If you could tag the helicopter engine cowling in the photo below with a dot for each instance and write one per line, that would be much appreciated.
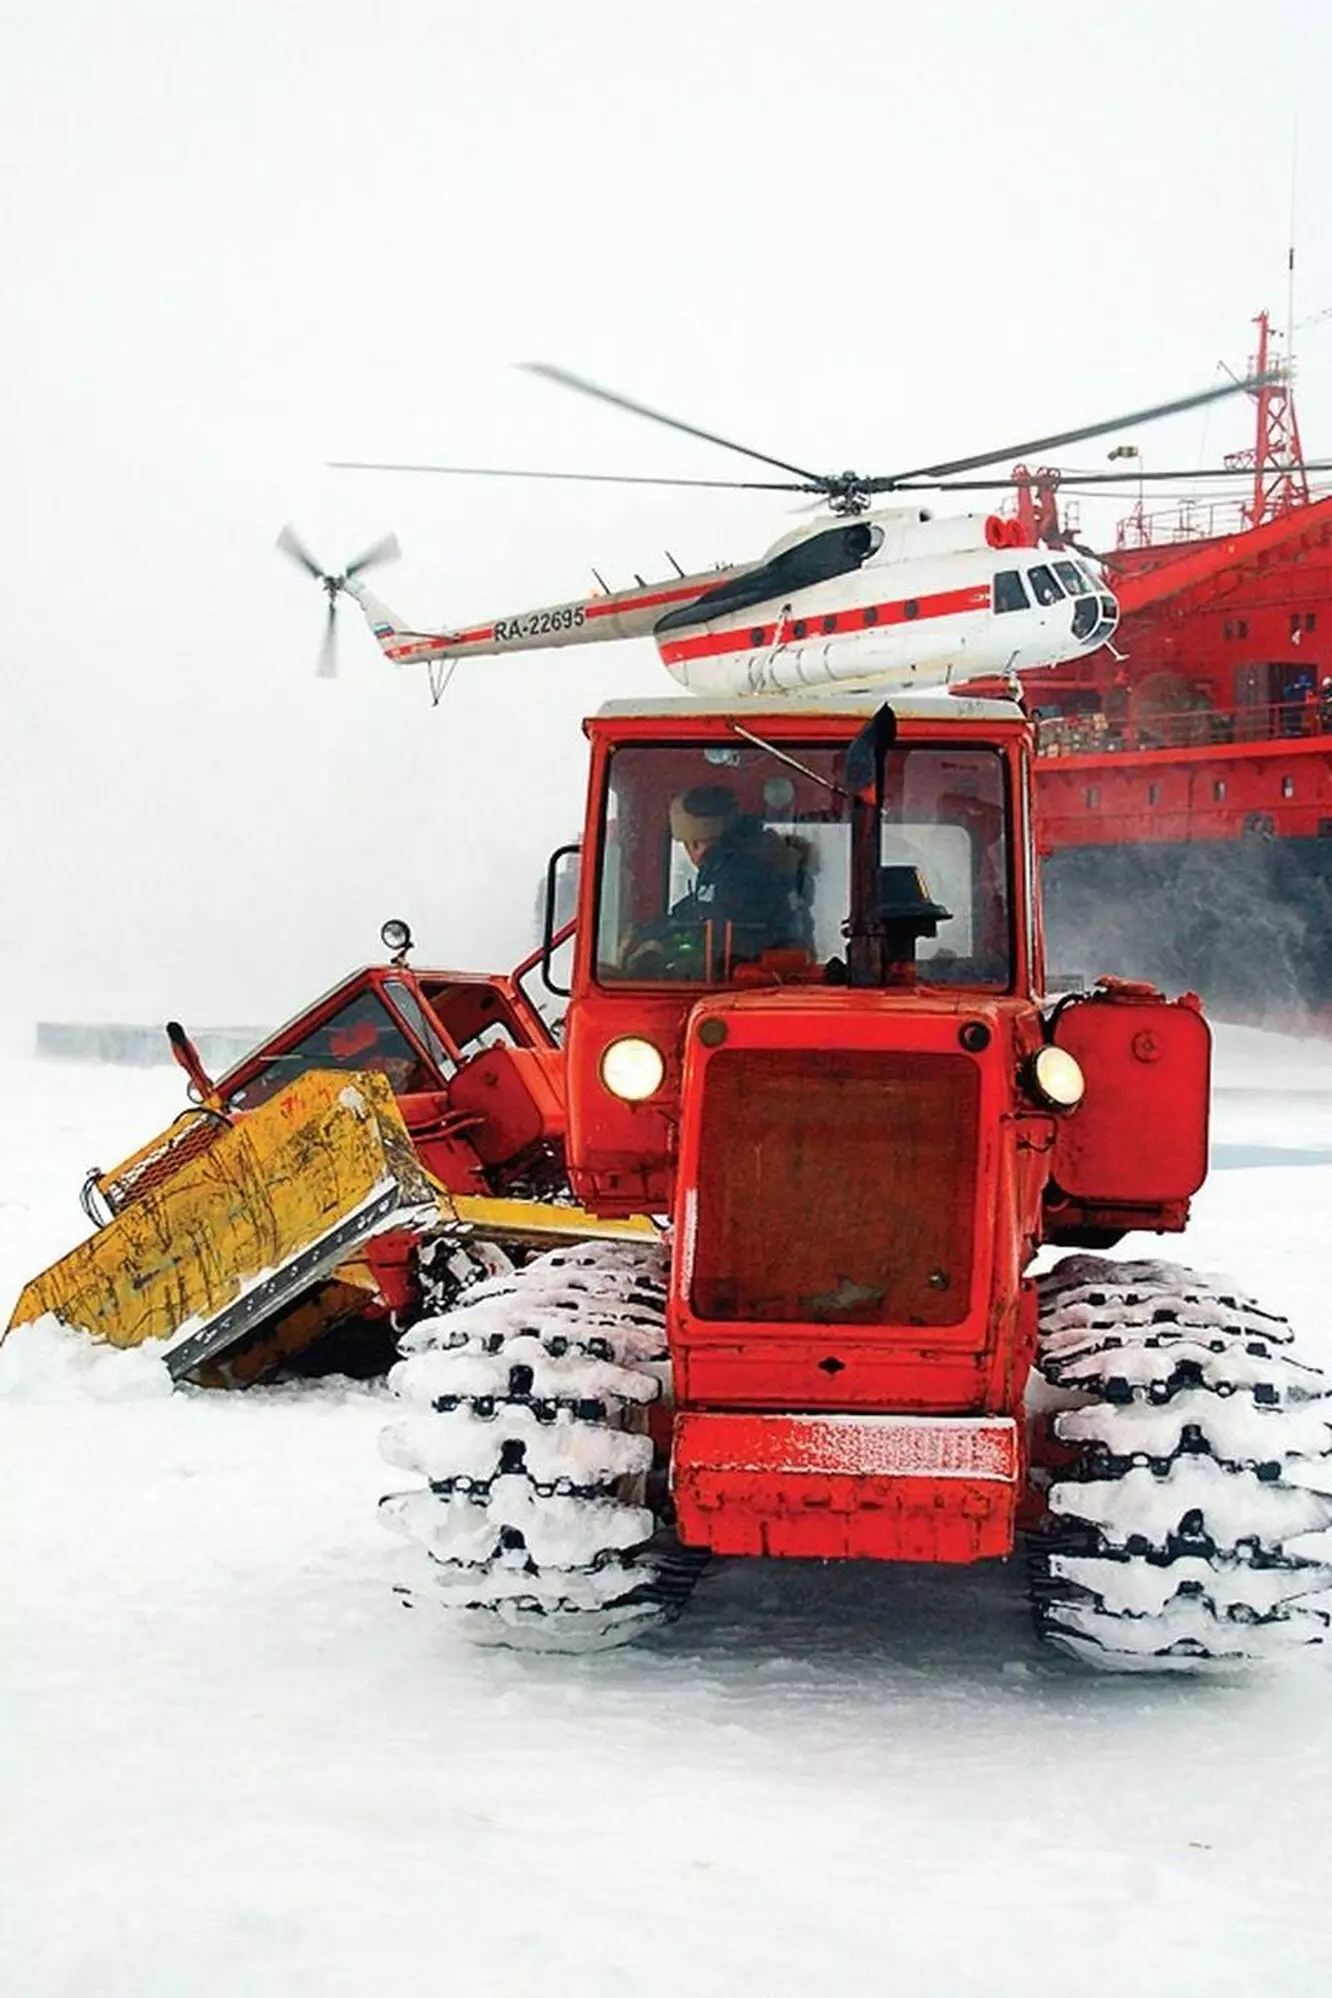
(921, 533)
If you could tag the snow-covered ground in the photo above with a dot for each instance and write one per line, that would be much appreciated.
(230, 1764)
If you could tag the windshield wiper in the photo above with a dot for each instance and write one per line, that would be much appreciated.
(828, 783)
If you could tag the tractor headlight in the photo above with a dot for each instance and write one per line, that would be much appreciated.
(1056, 1078)
(632, 1069)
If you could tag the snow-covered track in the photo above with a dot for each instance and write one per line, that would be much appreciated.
(1190, 1495)
(535, 1526)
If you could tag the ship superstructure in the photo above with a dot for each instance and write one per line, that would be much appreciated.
(1186, 770)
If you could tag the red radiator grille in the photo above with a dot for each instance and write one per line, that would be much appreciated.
(837, 1187)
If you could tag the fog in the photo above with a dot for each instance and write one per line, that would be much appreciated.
(240, 240)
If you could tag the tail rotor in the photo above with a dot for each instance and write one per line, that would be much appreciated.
(290, 544)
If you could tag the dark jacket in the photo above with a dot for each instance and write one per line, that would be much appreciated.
(750, 880)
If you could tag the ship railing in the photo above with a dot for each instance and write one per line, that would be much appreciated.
(1188, 520)
(1103, 733)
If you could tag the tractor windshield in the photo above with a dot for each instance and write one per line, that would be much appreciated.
(362, 1034)
(721, 862)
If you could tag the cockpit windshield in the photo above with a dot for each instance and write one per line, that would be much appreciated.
(718, 862)
(1043, 585)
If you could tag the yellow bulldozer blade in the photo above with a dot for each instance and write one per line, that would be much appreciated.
(540, 1224)
(474, 1218)
(227, 1235)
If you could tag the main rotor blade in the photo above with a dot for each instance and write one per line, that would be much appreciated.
(566, 380)
(327, 667)
(1058, 438)
(373, 557)
(593, 478)
(290, 543)
(1070, 478)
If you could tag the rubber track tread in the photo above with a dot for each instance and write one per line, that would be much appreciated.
(527, 1420)
(1190, 1508)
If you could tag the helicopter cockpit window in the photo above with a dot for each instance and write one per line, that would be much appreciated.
(1009, 591)
(1071, 577)
(719, 863)
(1043, 585)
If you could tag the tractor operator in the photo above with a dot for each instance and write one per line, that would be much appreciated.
(748, 888)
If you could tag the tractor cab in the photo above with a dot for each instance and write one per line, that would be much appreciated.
(727, 860)
(469, 1058)
(416, 1028)
(803, 852)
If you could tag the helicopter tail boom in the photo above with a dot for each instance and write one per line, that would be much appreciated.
(586, 621)
(398, 642)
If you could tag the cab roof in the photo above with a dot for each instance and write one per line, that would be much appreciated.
(934, 704)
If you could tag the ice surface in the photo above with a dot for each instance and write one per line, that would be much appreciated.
(231, 1765)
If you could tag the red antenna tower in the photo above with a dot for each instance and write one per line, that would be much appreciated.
(1276, 459)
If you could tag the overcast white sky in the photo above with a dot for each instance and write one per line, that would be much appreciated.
(240, 239)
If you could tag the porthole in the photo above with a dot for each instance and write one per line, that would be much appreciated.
(871, 614)
(830, 623)
(911, 608)
(799, 628)
(756, 635)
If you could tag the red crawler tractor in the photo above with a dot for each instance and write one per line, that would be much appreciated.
(807, 1029)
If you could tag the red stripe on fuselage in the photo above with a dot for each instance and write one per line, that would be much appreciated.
(609, 606)
(477, 636)
(439, 641)
(864, 617)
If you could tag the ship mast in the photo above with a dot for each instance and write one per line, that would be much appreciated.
(1280, 482)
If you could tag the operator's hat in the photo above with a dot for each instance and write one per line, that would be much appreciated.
(703, 813)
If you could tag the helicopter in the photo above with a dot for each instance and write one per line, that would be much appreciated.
(860, 596)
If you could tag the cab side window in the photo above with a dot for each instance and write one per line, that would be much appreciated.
(1009, 594)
